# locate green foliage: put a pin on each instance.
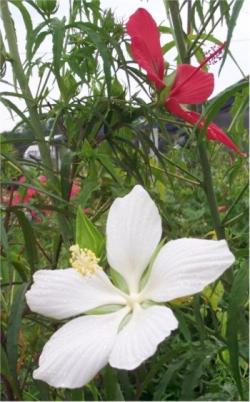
(108, 148)
(87, 235)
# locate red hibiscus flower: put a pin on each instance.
(191, 85)
(145, 46)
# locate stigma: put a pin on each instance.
(84, 260)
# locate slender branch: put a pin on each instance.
(209, 190)
(192, 49)
(32, 108)
(235, 203)
(173, 8)
(197, 183)
(189, 15)
(234, 219)
(180, 168)
(22, 80)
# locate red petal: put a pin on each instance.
(191, 85)
(21, 179)
(31, 192)
(75, 189)
(174, 107)
(213, 133)
(16, 199)
(42, 179)
(145, 45)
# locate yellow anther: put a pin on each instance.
(84, 260)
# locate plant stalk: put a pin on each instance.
(22, 80)
(173, 7)
(209, 190)
(174, 10)
(32, 108)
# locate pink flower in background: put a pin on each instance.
(75, 189)
(31, 194)
(191, 85)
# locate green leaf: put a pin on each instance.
(87, 235)
(112, 389)
(43, 390)
(96, 38)
(35, 40)
(90, 185)
(65, 174)
(192, 378)
(21, 269)
(168, 47)
(166, 30)
(213, 293)
(231, 25)
(5, 371)
(29, 238)
(183, 326)
(74, 395)
(166, 378)
(26, 19)
(224, 10)
(237, 299)
(10, 105)
(58, 32)
(14, 325)
(107, 163)
(216, 104)
(4, 237)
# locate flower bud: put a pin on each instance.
(48, 6)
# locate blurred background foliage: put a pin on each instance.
(102, 139)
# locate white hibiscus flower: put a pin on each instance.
(131, 334)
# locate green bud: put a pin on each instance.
(69, 86)
(48, 6)
(117, 89)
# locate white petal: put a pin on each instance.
(133, 232)
(185, 266)
(78, 350)
(139, 339)
(63, 293)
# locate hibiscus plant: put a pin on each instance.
(124, 225)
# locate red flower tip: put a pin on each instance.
(145, 45)
(214, 133)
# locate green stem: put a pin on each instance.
(209, 190)
(234, 219)
(174, 9)
(180, 168)
(197, 183)
(235, 203)
(32, 108)
(22, 80)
